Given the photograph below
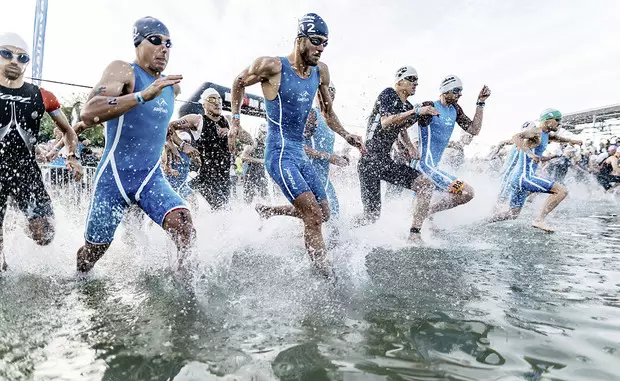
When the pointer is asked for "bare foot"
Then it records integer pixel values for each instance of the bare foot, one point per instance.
(433, 226)
(542, 226)
(415, 239)
(263, 211)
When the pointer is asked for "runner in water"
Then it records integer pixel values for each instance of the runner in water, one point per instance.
(289, 85)
(213, 180)
(254, 156)
(319, 147)
(609, 174)
(22, 106)
(434, 135)
(521, 179)
(136, 101)
(391, 116)
(180, 152)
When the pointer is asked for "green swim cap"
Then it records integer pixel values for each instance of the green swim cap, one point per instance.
(550, 113)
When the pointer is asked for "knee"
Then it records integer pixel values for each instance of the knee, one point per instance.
(179, 223)
(559, 190)
(313, 217)
(44, 237)
(468, 193)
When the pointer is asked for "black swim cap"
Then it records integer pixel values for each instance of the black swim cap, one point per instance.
(312, 24)
(147, 26)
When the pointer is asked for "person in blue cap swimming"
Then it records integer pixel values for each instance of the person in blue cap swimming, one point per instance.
(136, 100)
(289, 85)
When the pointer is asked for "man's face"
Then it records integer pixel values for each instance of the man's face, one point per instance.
(453, 96)
(155, 52)
(213, 104)
(554, 124)
(409, 84)
(12, 64)
(311, 48)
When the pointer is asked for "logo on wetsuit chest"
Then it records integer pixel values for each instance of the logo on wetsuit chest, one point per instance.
(15, 98)
(162, 106)
(304, 97)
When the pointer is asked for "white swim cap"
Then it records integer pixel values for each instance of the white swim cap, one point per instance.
(404, 72)
(449, 83)
(210, 92)
(13, 39)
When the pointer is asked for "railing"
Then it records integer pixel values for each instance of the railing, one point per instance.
(60, 182)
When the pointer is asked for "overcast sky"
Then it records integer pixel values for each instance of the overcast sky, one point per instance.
(532, 54)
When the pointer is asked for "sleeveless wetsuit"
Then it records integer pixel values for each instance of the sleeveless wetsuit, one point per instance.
(129, 171)
(521, 180)
(285, 158)
(433, 137)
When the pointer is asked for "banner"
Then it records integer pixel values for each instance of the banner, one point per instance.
(38, 40)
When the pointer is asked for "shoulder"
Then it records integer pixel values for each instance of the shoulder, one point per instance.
(120, 69)
(387, 94)
(323, 69)
(267, 65)
(50, 100)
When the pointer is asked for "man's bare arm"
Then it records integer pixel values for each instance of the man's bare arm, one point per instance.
(246, 156)
(191, 121)
(113, 96)
(326, 104)
(522, 138)
(70, 137)
(109, 98)
(260, 70)
(559, 139)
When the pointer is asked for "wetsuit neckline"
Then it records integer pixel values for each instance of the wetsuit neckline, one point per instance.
(293, 70)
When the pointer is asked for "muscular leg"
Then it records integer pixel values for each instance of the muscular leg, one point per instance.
(312, 215)
(424, 192)
(511, 214)
(178, 223)
(452, 200)
(89, 254)
(265, 211)
(558, 193)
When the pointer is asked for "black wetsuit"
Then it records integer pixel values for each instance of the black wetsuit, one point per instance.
(213, 180)
(376, 164)
(605, 178)
(21, 111)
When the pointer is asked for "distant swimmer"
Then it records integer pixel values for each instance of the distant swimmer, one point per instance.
(520, 179)
(289, 85)
(137, 102)
(213, 180)
(609, 174)
(389, 120)
(434, 135)
(22, 106)
(253, 155)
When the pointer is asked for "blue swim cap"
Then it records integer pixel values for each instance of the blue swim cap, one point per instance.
(147, 26)
(312, 24)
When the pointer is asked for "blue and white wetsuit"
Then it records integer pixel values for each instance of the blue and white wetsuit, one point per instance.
(433, 137)
(520, 178)
(129, 171)
(285, 158)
